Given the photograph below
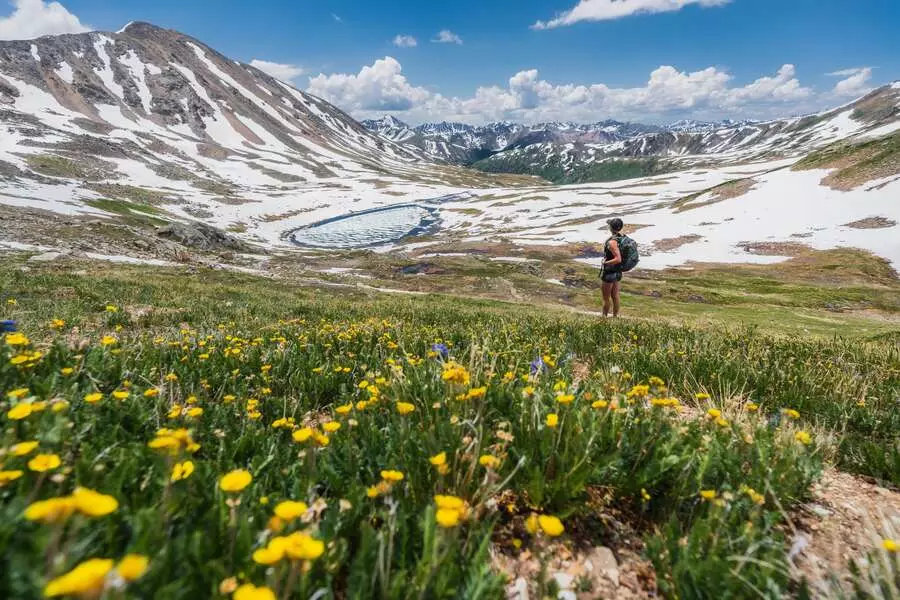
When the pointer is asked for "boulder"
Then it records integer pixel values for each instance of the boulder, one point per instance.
(202, 237)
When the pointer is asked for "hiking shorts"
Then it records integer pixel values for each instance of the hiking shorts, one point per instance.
(611, 277)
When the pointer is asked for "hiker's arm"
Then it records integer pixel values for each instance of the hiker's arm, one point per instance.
(617, 255)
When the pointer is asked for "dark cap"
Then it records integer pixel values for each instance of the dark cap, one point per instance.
(615, 224)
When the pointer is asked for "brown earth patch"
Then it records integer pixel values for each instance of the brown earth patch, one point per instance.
(725, 191)
(845, 521)
(599, 557)
(774, 248)
(668, 244)
(872, 223)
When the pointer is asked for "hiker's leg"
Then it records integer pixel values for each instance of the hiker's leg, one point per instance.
(614, 292)
(607, 298)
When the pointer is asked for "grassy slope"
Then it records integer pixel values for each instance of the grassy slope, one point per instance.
(174, 296)
(651, 464)
(803, 295)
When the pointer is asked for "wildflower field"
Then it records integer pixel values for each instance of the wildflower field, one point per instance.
(178, 435)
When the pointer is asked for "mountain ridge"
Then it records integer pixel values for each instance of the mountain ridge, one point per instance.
(563, 152)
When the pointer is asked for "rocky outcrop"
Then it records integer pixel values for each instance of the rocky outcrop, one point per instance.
(202, 237)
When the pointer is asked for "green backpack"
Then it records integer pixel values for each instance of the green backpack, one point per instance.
(630, 255)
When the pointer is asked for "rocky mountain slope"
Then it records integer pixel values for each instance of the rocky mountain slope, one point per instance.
(610, 150)
(148, 119)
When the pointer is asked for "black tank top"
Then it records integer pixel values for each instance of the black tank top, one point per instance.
(606, 249)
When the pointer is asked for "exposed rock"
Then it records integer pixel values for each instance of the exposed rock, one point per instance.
(47, 257)
(421, 269)
(202, 237)
(603, 562)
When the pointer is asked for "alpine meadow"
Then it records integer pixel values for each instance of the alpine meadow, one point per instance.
(284, 328)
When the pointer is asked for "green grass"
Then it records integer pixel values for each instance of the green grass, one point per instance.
(55, 166)
(302, 353)
(856, 163)
(131, 193)
(555, 171)
(140, 214)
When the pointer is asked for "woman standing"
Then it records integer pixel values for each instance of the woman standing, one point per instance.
(611, 274)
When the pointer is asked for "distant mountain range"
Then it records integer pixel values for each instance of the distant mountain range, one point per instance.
(564, 152)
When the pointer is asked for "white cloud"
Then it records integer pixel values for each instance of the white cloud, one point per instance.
(336, 18)
(405, 41)
(604, 10)
(445, 36)
(668, 94)
(284, 72)
(855, 82)
(34, 18)
(379, 87)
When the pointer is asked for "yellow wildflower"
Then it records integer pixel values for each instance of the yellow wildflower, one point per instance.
(488, 461)
(550, 525)
(20, 411)
(93, 398)
(132, 566)
(331, 426)
(52, 510)
(248, 591)
(404, 408)
(890, 545)
(290, 510)
(23, 448)
(44, 462)
(302, 435)
(87, 580)
(302, 546)
(803, 437)
(235, 481)
(93, 504)
(552, 420)
(182, 470)
(8, 476)
(708, 494)
(392, 476)
(447, 518)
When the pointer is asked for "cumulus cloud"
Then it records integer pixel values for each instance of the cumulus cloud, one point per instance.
(405, 41)
(855, 82)
(379, 87)
(604, 10)
(445, 36)
(667, 94)
(284, 72)
(34, 18)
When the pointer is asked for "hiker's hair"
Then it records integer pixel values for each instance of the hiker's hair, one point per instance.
(616, 224)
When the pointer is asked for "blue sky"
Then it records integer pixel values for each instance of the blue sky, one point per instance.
(528, 60)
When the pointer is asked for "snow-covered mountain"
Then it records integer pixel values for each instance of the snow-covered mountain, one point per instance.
(567, 152)
(153, 100)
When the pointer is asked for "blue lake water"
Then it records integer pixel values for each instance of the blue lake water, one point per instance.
(367, 228)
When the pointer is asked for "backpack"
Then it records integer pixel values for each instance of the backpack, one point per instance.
(628, 248)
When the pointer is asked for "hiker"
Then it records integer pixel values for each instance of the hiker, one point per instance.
(613, 266)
